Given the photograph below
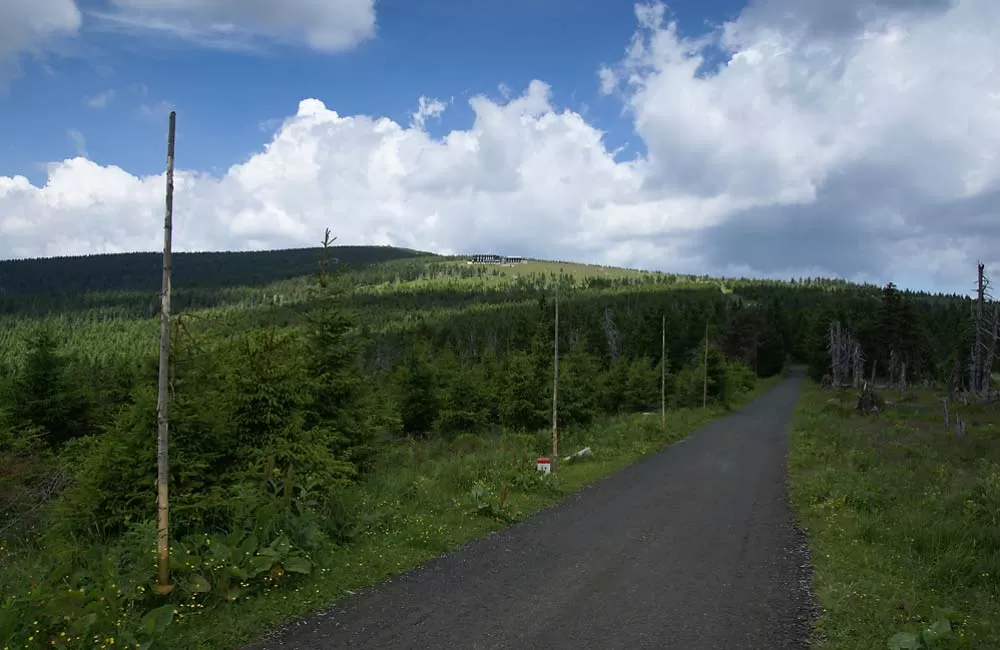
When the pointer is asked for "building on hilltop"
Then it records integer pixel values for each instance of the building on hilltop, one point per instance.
(495, 259)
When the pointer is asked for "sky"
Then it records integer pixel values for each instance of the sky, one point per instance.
(771, 138)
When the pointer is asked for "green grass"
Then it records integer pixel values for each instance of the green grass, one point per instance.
(571, 269)
(431, 497)
(903, 520)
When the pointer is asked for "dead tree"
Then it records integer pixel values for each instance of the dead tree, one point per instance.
(955, 380)
(663, 371)
(992, 350)
(835, 348)
(867, 401)
(894, 368)
(857, 365)
(984, 349)
(555, 388)
(977, 350)
(612, 336)
(846, 356)
(162, 396)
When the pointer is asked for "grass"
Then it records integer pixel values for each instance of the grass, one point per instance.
(432, 497)
(499, 274)
(903, 519)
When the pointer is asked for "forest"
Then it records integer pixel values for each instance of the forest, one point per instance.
(296, 376)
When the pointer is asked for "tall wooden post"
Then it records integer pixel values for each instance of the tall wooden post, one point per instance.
(977, 355)
(704, 386)
(162, 403)
(555, 388)
(663, 371)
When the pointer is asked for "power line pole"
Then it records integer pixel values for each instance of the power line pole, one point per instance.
(162, 405)
(555, 387)
(663, 371)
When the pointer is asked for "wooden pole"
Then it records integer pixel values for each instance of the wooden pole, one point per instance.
(555, 388)
(162, 404)
(663, 371)
(704, 387)
(977, 355)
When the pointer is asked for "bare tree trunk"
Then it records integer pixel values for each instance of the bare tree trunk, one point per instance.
(663, 372)
(704, 387)
(162, 402)
(858, 365)
(555, 388)
(977, 355)
(833, 346)
(611, 334)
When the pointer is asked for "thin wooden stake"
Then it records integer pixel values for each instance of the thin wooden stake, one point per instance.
(162, 404)
(704, 388)
(555, 388)
(663, 372)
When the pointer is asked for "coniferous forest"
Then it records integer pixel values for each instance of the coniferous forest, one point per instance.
(300, 379)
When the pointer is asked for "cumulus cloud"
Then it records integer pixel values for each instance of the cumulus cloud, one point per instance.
(865, 148)
(100, 100)
(79, 142)
(323, 25)
(27, 26)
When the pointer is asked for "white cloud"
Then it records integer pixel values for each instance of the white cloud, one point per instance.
(100, 100)
(79, 142)
(323, 25)
(27, 26)
(866, 149)
(156, 111)
(428, 108)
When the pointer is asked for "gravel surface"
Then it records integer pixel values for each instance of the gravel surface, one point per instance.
(694, 548)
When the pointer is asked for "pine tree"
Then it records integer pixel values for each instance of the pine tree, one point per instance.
(43, 395)
(419, 399)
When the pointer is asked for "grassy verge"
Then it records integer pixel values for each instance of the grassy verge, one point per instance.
(432, 497)
(903, 520)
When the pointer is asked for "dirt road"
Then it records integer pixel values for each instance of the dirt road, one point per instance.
(691, 549)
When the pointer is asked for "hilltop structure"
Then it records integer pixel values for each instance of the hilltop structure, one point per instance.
(496, 259)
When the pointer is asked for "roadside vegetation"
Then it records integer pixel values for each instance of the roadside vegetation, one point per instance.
(903, 518)
(326, 432)
(329, 431)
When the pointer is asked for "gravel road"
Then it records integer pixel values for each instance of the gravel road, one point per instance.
(693, 548)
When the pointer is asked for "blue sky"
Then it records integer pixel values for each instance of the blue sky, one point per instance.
(776, 138)
(447, 49)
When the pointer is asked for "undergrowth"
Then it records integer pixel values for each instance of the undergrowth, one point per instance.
(903, 519)
(424, 498)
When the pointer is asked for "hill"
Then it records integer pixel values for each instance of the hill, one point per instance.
(299, 411)
(126, 272)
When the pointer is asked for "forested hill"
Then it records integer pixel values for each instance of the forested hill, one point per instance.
(292, 393)
(126, 272)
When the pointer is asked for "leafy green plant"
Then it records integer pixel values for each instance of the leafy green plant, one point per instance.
(229, 566)
(929, 637)
(488, 502)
